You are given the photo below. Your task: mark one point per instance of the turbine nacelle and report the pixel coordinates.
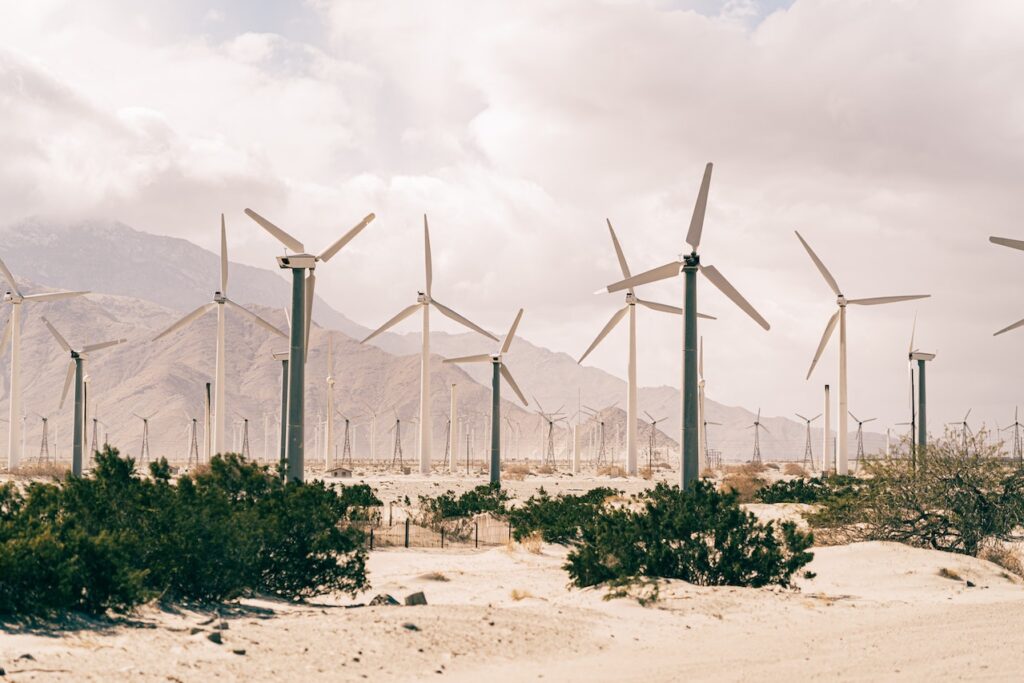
(307, 261)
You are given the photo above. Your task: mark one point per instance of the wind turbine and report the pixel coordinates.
(499, 370)
(220, 301)
(1018, 445)
(144, 453)
(424, 300)
(840, 317)
(631, 389)
(808, 451)
(689, 265)
(14, 297)
(860, 435)
(757, 427)
(921, 418)
(965, 429)
(76, 372)
(548, 450)
(653, 435)
(302, 312)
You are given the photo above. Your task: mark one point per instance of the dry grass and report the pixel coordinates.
(545, 469)
(40, 470)
(948, 573)
(707, 474)
(794, 470)
(748, 468)
(646, 473)
(533, 543)
(1004, 557)
(516, 471)
(613, 471)
(434, 576)
(745, 485)
(518, 595)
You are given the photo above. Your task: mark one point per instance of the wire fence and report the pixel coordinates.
(482, 531)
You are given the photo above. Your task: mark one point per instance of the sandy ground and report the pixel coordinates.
(875, 611)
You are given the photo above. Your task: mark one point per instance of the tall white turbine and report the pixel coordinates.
(631, 382)
(842, 466)
(424, 300)
(220, 300)
(15, 442)
(330, 401)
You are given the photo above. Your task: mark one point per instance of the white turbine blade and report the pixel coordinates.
(718, 280)
(53, 296)
(1006, 242)
(330, 251)
(102, 345)
(913, 330)
(801, 417)
(279, 234)
(57, 335)
(511, 333)
(405, 313)
(875, 300)
(260, 321)
(853, 416)
(660, 273)
(512, 383)
(9, 277)
(664, 308)
(186, 320)
(699, 209)
(223, 257)
(618, 253)
(310, 293)
(824, 341)
(5, 338)
(478, 358)
(426, 255)
(816, 417)
(461, 319)
(609, 326)
(1009, 327)
(821, 266)
(870, 419)
(67, 382)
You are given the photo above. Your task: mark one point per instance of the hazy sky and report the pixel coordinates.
(891, 134)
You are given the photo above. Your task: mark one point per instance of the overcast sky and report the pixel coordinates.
(891, 134)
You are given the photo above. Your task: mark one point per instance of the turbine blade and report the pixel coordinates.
(478, 358)
(718, 280)
(186, 320)
(511, 333)
(816, 417)
(57, 335)
(913, 331)
(279, 234)
(102, 345)
(5, 338)
(853, 416)
(870, 419)
(405, 313)
(260, 321)
(9, 277)
(618, 252)
(1006, 242)
(67, 382)
(824, 341)
(699, 209)
(660, 273)
(609, 326)
(223, 257)
(53, 296)
(1009, 327)
(330, 251)
(875, 300)
(664, 308)
(461, 319)
(310, 293)
(821, 266)
(426, 255)
(512, 383)
(801, 417)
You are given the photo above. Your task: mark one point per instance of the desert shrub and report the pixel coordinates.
(957, 498)
(702, 536)
(744, 485)
(794, 470)
(434, 510)
(557, 519)
(115, 539)
(813, 490)
(362, 502)
(613, 471)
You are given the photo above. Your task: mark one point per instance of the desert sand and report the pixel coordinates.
(874, 611)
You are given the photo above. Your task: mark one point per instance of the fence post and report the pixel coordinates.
(389, 512)
(371, 538)
(509, 529)
(406, 532)
(476, 534)
(442, 537)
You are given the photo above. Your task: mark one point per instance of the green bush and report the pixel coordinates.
(558, 519)
(959, 497)
(115, 539)
(702, 536)
(434, 510)
(813, 490)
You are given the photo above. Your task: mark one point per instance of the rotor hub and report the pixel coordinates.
(422, 298)
(841, 300)
(219, 298)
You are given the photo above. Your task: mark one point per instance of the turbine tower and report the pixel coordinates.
(860, 435)
(757, 427)
(44, 442)
(14, 297)
(689, 265)
(1018, 445)
(548, 450)
(920, 418)
(424, 300)
(808, 451)
(499, 370)
(76, 372)
(631, 382)
(144, 452)
(651, 445)
(220, 301)
(840, 317)
(965, 429)
(302, 313)
(329, 454)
